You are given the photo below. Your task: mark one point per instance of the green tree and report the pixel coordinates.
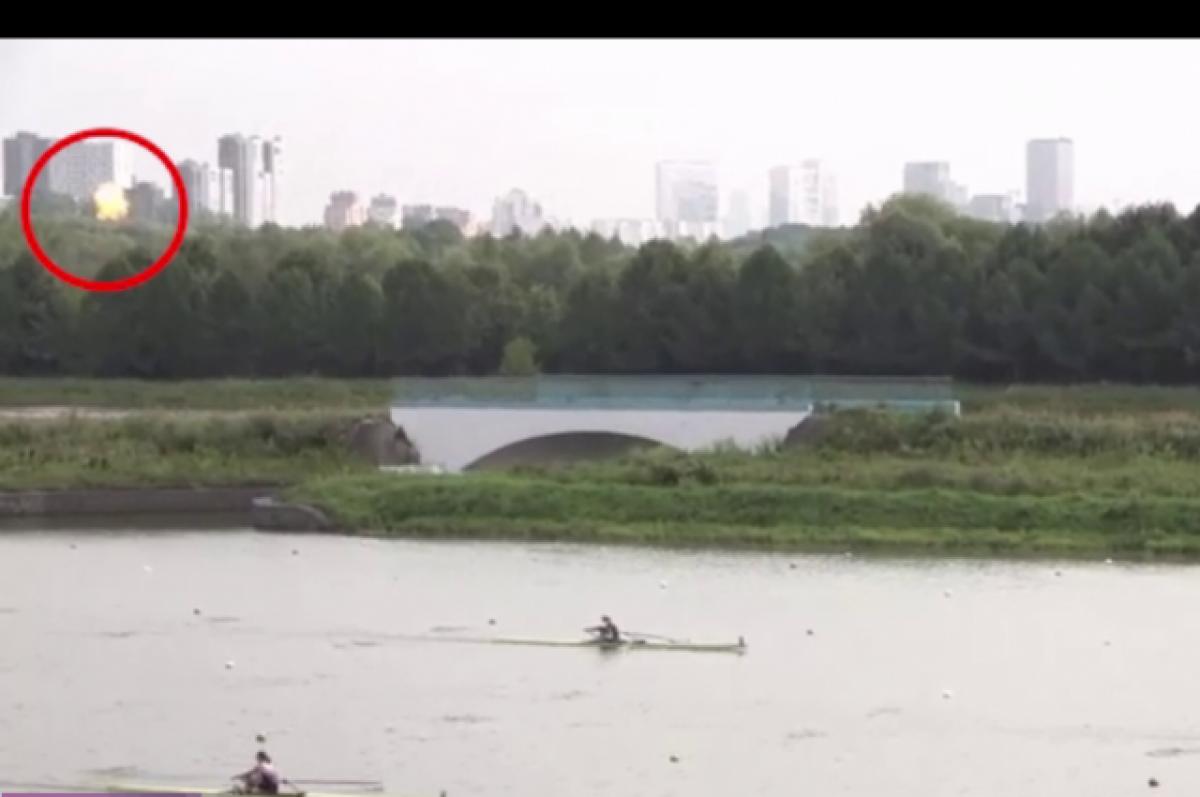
(913, 289)
(520, 358)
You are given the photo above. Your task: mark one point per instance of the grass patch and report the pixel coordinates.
(211, 394)
(1079, 399)
(1013, 475)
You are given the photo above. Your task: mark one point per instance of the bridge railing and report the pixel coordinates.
(675, 393)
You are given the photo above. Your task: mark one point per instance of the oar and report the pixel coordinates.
(318, 782)
(648, 636)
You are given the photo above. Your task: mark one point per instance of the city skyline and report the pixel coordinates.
(690, 202)
(580, 125)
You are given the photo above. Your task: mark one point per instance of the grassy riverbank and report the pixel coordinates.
(1013, 483)
(158, 449)
(1105, 471)
(227, 395)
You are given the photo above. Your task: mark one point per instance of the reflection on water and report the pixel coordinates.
(158, 658)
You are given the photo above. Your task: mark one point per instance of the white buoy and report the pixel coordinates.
(1058, 572)
(947, 694)
(662, 584)
(948, 594)
(148, 568)
(229, 665)
(1108, 561)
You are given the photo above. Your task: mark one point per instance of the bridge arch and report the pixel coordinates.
(456, 438)
(564, 447)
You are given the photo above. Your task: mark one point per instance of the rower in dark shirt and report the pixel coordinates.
(607, 631)
(263, 778)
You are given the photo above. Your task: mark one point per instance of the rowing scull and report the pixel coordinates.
(128, 788)
(625, 644)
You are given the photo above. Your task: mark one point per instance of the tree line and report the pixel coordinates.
(912, 290)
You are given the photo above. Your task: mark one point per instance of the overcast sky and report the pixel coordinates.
(581, 124)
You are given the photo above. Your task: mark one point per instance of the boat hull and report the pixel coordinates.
(130, 788)
(625, 645)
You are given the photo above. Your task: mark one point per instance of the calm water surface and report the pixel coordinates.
(1077, 683)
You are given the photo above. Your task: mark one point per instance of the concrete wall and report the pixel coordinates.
(455, 438)
(197, 500)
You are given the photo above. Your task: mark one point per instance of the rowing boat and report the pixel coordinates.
(625, 644)
(128, 788)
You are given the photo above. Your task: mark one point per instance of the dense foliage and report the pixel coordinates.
(913, 290)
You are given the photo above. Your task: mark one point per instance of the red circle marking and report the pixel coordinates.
(96, 285)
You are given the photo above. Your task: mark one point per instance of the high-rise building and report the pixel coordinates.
(737, 218)
(687, 198)
(209, 189)
(384, 210)
(631, 232)
(80, 169)
(517, 212)
(414, 216)
(242, 158)
(804, 194)
(930, 178)
(344, 210)
(256, 168)
(21, 153)
(1049, 178)
(146, 202)
(272, 174)
(999, 208)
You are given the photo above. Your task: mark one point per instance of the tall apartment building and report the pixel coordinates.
(80, 169)
(344, 210)
(1049, 178)
(256, 167)
(147, 202)
(21, 153)
(272, 175)
(687, 198)
(384, 210)
(998, 208)
(932, 179)
(804, 194)
(517, 212)
(412, 216)
(738, 217)
(631, 232)
(209, 189)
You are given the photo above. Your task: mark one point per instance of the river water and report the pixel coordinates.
(919, 678)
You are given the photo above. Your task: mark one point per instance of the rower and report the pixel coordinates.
(262, 778)
(607, 631)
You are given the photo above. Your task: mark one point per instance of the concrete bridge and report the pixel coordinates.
(457, 424)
